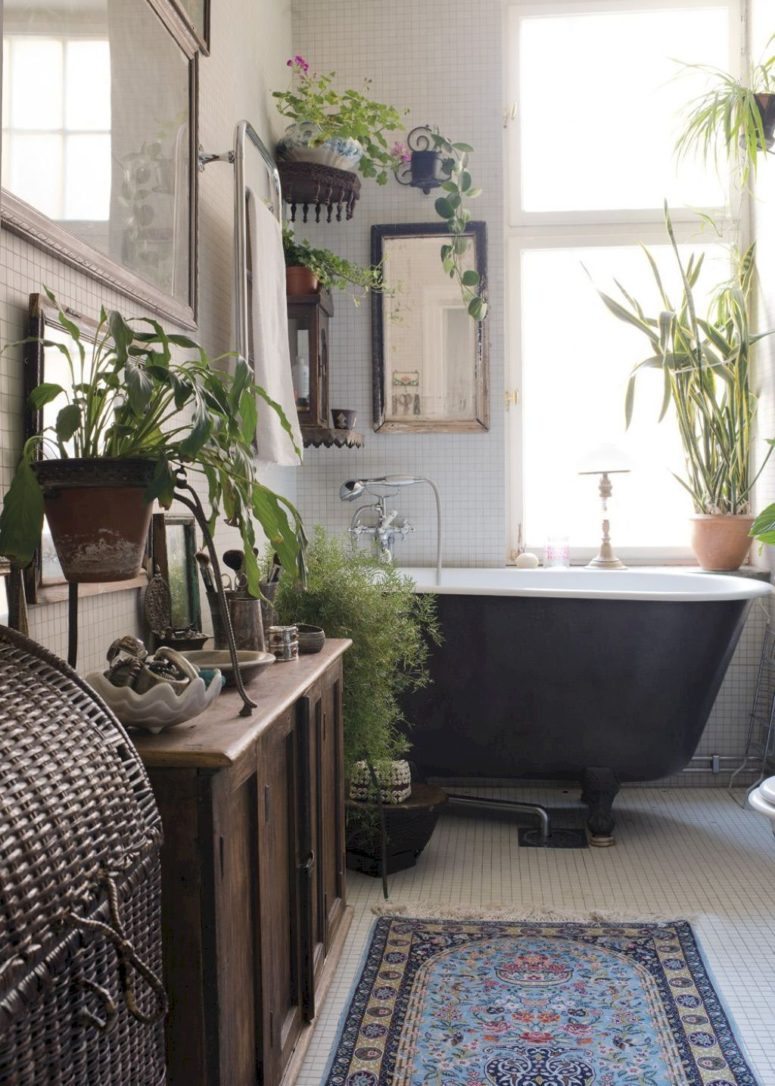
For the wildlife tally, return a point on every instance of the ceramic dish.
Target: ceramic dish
(160, 707)
(250, 662)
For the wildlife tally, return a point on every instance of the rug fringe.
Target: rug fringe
(435, 910)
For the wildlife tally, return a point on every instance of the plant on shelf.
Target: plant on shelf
(127, 401)
(451, 207)
(704, 363)
(352, 125)
(354, 595)
(735, 117)
(330, 270)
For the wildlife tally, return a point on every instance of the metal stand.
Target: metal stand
(760, 743)
(186, 495)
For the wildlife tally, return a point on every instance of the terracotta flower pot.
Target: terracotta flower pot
(721, 542)
(98, 515)
(300, 280)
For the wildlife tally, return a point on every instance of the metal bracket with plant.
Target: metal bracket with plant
(451, 207)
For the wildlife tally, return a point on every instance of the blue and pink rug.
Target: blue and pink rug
(514, 1003)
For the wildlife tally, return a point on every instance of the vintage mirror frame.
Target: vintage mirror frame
(196, 16)
(383, 308)
(177, 565)
(23, 219)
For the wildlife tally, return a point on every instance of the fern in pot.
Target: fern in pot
(133, 419)
(704, 363)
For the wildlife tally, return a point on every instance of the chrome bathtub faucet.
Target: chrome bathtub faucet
(387, 524)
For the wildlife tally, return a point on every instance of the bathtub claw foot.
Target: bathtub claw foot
(598, 791)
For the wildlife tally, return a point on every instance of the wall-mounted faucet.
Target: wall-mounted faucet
(387, 524)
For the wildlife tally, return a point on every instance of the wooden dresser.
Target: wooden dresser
(253, 873)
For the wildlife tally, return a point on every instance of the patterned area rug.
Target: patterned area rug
(515, 1003)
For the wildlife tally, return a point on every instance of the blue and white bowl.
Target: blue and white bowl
(296, 146)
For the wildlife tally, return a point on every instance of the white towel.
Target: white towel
(268, 314)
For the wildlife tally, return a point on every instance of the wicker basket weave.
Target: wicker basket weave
(80, 946)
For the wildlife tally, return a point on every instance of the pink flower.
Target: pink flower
(401, 152)
(299, 64)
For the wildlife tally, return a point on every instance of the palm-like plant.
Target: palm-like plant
(705, 367)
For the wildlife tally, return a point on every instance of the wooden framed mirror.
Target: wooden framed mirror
(429, 358)
(99, 154)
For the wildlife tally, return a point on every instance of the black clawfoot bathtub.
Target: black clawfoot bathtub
(582, 675)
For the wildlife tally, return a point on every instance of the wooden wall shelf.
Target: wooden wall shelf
(331, 439)
(310, 185)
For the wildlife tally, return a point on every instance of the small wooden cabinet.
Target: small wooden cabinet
(253, 873)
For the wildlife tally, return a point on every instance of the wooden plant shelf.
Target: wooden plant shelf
(330, 438)
(308, 184)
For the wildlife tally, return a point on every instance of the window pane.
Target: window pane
(599, 108)
(576, 360)
(34, 170)
(87, 178)
(87, 86)
(36, 83)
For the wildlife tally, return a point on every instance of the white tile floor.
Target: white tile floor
(691, 853)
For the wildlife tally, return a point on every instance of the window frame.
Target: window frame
(527, 230)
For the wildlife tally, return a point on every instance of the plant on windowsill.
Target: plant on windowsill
(323, 268)
(735, 117)
(133, 418)
(344, 129)
(451, 207)
(704, 363)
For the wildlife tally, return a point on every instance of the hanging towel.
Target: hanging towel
(268, 317)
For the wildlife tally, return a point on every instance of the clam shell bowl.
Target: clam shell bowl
(160, 707)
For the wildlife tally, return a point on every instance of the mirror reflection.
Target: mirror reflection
(91, 140)
(429, 364)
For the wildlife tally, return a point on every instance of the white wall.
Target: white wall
(443, 63)
(250, 43)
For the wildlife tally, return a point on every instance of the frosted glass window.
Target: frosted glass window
(87, 65)
(576, 361)
(599, 105)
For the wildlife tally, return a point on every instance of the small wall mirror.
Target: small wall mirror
(429, 357)
(99, 142)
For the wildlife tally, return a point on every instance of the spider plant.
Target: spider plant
(705, 368)
(732, 118)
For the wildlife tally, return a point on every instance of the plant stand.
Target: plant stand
(186, 495)
(407, 829)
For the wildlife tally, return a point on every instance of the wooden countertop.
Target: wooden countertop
(220, 736)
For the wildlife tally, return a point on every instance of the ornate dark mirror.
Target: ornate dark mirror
(99, 142)
(430, 366)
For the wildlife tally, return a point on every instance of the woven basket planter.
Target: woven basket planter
(80, 996)
(394, 779)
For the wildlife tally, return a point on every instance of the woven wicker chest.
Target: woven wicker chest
(81, 1001)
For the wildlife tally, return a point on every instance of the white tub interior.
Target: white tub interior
(668, 584)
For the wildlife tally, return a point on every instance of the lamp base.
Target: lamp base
(600, 561)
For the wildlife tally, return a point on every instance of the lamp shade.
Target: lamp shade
(607, 457)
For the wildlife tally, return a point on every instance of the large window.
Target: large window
(597, 95)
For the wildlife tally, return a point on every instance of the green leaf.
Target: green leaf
(68, 421)
(248, 416)
(44, 394)
(444, 208)
(476, 309)
(470, 278)
(465, 147)
(162, 485)
(21, 520)
(201, 428)
(139, 387)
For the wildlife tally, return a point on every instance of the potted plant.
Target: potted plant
(705, 369)
(347, 129)
(133, 417)
(307, 269)
(735, 116)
